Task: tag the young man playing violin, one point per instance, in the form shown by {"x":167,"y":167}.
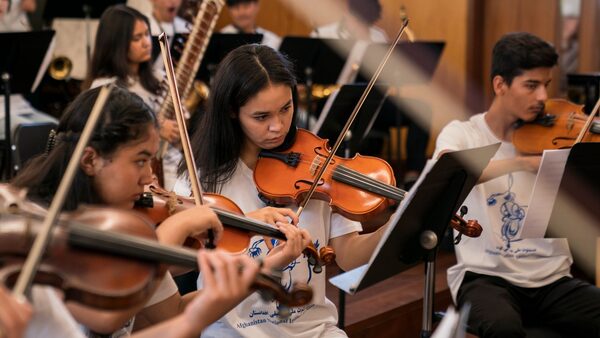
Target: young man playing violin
{"x":512,"y":282}
{"x":113,"y":171}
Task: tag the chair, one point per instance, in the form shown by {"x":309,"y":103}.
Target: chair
{"x":30,"y":140}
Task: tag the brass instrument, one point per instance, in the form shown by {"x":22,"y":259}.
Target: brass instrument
{"x":60,"y":68}
{"x":320,"y":91}
{"x":197,"y":96}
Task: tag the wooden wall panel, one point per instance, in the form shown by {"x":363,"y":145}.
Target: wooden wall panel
{"x":589,"y":36}
{"x":505,"y":16}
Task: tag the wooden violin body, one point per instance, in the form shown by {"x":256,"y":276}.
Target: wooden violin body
{"x":87,"y":277}
{"x":354,"y":187}
{"x":557,"y":128}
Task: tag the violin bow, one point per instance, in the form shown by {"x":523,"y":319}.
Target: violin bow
{"x":23,"y":284}
{"x":588,"y":122}
{"x":185,"y":139}
{"x":350,"y":120}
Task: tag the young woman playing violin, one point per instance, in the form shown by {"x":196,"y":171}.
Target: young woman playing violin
{"x":251,"y":107}
{"x":224,"y":284}
{"x":513,"y":282}
{"x":113,"y":171}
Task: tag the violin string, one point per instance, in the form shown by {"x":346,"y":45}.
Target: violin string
{"x":358,"y":179}
{"x":349,"y":172}
{"x":353,"y":176}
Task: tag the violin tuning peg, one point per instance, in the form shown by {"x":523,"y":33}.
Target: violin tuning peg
{"x":457,"y":238}
{"x":317,"y":268}
{"x":463,"y":210}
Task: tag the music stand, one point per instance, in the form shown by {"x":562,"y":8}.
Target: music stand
{"x":22,"y":64}
{"x":86,"y":9}
{"x":316,"y":61}
{"x":219,"y":46}
{"x":338,"y":108}
{"x":418,"y":225}
{"x":575,"y":213}
{"x":415,"y":62}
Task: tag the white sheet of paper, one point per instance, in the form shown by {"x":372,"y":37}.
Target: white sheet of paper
{"x":348,"y":281}
{"x":544,"y":193}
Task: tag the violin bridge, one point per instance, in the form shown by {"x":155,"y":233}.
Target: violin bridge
{"x":570,"y":121}
{"x":314,"y":166}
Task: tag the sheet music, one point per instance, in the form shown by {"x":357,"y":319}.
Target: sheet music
{"x":44,"y":65}
{"x":544,"y":193}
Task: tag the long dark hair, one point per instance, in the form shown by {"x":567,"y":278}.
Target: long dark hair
{"x":217,"y":140}
{"x":112,"y":45}
{"x":125,"y":118}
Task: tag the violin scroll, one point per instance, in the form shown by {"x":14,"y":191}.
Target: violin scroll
{"x":318,"y":259}
{"x":270,"y":288}
{"x":470,"y":228}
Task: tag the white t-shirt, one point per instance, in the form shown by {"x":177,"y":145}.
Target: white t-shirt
{"x":255,"y":318}
{"x":269,"y":38}
{"x":500,"y":206}
{"x":172,"y":156}
{"x":51,"y":318}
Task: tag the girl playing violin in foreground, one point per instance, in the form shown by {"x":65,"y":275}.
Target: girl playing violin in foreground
{"x":113,"y":171}
{"x":224,"y":283}
{"x":252,"y":107}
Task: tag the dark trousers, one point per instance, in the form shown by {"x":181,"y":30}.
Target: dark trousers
{"x":566,"y":308}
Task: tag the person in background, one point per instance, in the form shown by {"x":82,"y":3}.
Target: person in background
{"x":164,"y":18}
{"x":122,"y":54}
{"x":14,"y":17}
{"x":243,"y":15}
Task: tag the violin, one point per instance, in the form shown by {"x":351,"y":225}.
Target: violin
{"x":88,"y":240}
{"x":357,"y":188}
{"x":557,"y":127}
{"x":158,"y":204}
{"x":344,"y":187}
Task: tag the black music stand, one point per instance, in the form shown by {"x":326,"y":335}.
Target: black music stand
{"x":316,"y":61}
{"x":579,"y":190}
{"x":418,"y":225}
{"x":20,"y":68}
{"x":338,"y":109}
{"x":178,"y":38}
{"x":219,"y":46}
